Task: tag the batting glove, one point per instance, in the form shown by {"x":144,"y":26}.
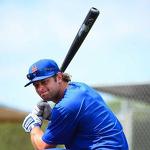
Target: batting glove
{"x":42,"y":110}
{"x":30,"y":122}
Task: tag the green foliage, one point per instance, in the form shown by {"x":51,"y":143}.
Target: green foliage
{"x":115,"y":105}
{"x":13,"y":137}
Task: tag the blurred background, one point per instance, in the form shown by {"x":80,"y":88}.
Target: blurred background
{"x":114,"y":59}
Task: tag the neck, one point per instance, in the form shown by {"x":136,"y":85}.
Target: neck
{"x":63,"y":87}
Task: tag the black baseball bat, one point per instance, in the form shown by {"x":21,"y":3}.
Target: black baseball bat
{"x":81,"y":35}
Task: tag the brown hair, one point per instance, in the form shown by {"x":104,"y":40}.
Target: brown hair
{"x":65,"y":77}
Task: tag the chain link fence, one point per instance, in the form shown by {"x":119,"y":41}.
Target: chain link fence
{"x":131,"y":104}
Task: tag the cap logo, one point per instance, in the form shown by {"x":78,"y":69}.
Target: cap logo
{"x":49,"y":69}
{"x":34,"y":69}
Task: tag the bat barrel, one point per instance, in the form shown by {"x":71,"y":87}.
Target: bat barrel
{"x":81,"y":35}
{"x":91,"y":16}
{"x":94,"y":11}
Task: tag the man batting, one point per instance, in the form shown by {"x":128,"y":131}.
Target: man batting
{"x":80,"y":119}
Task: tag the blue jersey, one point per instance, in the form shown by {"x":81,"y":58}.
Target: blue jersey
{"x":82,"y":120}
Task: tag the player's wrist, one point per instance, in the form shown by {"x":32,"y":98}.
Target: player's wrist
{"x":36,"y":125}
{"x":38,"y":121}
{"x":31,"y":121}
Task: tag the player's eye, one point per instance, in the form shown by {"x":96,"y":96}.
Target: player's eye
{"x":44,"y":82}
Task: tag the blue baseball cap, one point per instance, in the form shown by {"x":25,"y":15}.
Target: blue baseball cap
{"x":42,"y":69}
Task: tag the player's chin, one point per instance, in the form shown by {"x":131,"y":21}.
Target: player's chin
{"x":45,"y":100}
{"x":45,"y":97}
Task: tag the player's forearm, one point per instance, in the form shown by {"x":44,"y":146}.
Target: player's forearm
{"x":36,"y":138}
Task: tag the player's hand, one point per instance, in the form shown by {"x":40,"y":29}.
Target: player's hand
{"x":42,"y":110}
{"x":30,"y":122}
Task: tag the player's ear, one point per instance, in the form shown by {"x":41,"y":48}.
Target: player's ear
{"x":59,"y":77}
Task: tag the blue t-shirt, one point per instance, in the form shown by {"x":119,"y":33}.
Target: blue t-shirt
{"x":82,"y":121}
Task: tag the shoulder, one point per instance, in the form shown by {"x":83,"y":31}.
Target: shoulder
{"x":80,"y":90}
{"x":76,"y":92}
{"x":78,"y":87}
{"x":73,"y":97}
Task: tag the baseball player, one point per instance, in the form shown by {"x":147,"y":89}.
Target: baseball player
{"x":80,"y":119}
